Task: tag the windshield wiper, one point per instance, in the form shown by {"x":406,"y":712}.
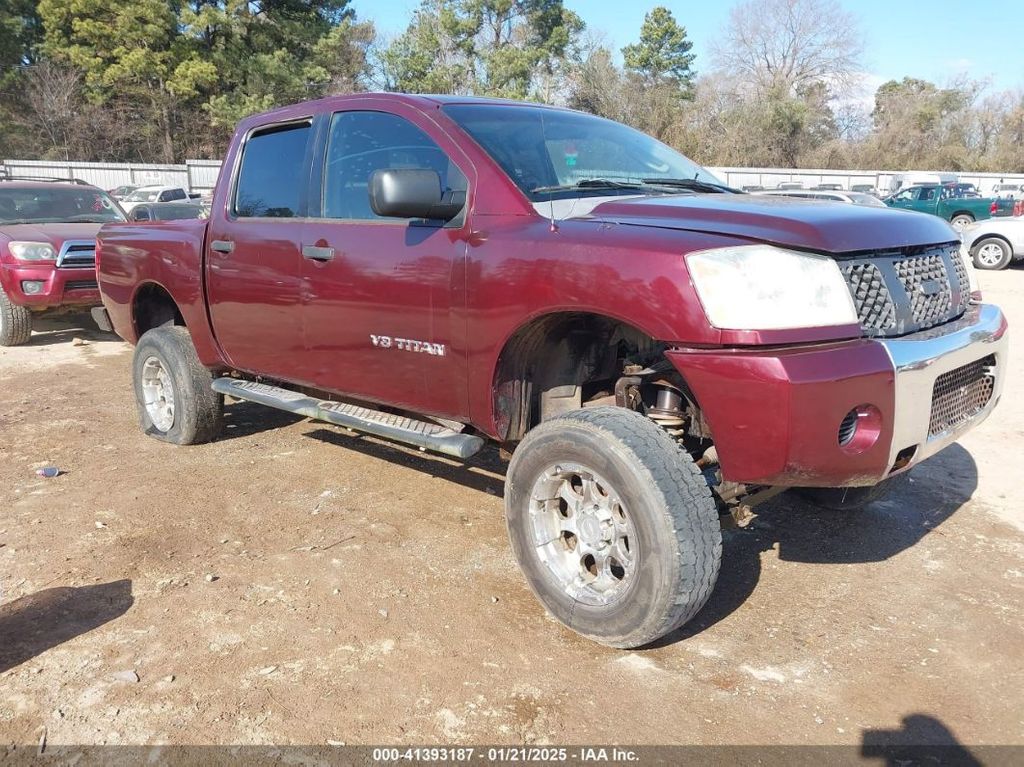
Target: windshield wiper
{"x":590,"y":183}
{"x":692,"y":184}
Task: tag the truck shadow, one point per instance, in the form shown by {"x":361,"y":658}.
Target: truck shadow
{"x":243,"y":419}
{"x":802,"y":532}
{"x":38,"y":622}
{"x":484,"y":472}
{"x":917,"y":504}
{"x":65,"y":328}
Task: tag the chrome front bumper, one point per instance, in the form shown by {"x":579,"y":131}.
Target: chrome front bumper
{"x":920,"y":359}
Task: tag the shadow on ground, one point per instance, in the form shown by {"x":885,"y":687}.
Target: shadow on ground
{"x":484,"y":472}
{"x":35,"y":623}
{"x":922,"y":739}
{"x":914,"y":507}
{"x":64,"y":328}
{"x":243,"y":419}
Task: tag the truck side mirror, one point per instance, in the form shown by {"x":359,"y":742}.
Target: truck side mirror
{"x":413,"y":193}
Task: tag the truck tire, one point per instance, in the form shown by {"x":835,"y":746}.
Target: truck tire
{"x":172,"y":388}
{"x":845,"y":498}
{"x":960,"y":220}
{"x":613,"y":525}
{"x":15,"y":322}
{"x":992,"y":253}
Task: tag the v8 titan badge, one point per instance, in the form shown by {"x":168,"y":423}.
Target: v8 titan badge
{"x":408,"y":345}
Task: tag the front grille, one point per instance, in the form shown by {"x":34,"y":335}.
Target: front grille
{"x":81,"y":285}
{"x":961,"y":394}
{"x":900,"y":292}
{"x":77,"y":255}
{"x":875,"y":306}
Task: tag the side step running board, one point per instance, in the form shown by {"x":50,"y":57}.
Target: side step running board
{"x":431,"y":436}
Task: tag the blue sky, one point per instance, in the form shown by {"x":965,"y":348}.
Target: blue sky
{"x":931,"y":39}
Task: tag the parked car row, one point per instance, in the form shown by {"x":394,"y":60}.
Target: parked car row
{"x":793,"y":186}
{"x":48,"y":231}
{"x":854,"y":198}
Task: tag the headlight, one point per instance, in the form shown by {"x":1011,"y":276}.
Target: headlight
{"x":33,"y":251}
{"x":761,"y":287}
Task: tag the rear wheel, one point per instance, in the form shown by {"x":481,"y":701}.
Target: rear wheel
{"x":961,"y":220}
{"x":992,"y":253}
{"x":173,"y":390}
{"x":613,"y":525}
{"x":15,"y":322}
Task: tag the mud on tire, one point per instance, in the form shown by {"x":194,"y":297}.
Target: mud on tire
{"x":165,"y":359}
{"x":660,"y":526}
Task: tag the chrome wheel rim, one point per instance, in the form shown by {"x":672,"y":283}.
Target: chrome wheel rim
{"x":158,"y":394}
{"x":582,"y":534}
{"x":990,"y":254}
{"x":960,"y":223}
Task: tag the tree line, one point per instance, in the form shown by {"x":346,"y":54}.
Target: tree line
{"x":165,"y":80}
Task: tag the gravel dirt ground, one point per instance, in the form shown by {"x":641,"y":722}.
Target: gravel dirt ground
{"x":293,"y":583}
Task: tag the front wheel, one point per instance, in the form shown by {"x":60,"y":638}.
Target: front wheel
{"x":961,"y":220}
{"x":173,"y":390}
{"x":15,"y":322}
{"x":613,"y":525}
{"x":992,"y":253}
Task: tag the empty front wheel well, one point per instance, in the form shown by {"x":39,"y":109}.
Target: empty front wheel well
{"x":153,"y":307}
{"x":560,"y":361}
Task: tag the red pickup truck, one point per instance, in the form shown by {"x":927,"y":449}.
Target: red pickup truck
{"x":649,"y":345}
{"x":47,"y":236}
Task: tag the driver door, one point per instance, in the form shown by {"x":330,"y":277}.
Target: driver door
{"x":384,"y":317}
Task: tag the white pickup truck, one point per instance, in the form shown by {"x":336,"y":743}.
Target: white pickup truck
{"x":155,"y":193}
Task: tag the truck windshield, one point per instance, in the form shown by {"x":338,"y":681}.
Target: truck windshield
{"x":553,"y":153}
{"x":53,"y":205}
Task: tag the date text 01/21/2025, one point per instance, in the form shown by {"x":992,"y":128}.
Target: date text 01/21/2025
{"x":407,"y":344}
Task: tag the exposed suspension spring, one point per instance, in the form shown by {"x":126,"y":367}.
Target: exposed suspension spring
{"x":668,"y":409}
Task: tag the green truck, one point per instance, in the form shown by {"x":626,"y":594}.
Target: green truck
{"x":944,"y":201}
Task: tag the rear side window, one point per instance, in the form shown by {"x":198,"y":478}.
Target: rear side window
{"x":272,"y":173}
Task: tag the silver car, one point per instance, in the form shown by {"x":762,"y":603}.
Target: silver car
{"x":994,"y":242}
{"x":827,"y":195}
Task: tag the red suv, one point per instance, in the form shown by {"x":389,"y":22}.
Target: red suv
{"x":47,"y":249}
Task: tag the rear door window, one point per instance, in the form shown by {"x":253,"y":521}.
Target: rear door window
{"x":273,"y":173}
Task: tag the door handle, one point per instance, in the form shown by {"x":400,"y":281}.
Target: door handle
{"x":316,"y":253}
{"x":222,"y":246}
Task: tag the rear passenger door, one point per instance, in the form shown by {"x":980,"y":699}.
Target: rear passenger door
{"x":384,"y":318}
{"x":253,"y":260}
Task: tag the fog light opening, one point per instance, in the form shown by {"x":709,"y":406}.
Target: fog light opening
{"x":32,"y":287}
{"x":860,"y":429}
{"x":903,"y":459}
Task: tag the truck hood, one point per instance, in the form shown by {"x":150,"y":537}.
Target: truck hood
{"x":55,"y":234}
{"x":824,"y":227}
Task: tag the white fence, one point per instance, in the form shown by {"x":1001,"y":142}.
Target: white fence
{"x":195,"y":175}
{"x":201,"y":175}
